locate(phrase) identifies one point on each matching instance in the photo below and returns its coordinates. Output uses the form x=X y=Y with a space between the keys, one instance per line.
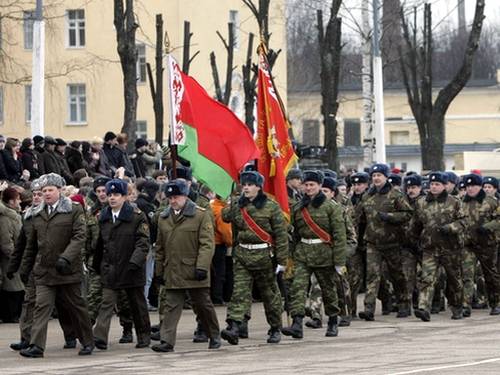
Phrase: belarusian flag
x=207 y=133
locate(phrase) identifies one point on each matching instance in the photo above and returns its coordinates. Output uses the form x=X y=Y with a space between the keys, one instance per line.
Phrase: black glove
x=63 y=266
x=384 y=216
x=24 y=278
x=133 y=267
x=482 y=231
x=446 y=230
x=200 y=275
x=159 y=280
x=10 y=275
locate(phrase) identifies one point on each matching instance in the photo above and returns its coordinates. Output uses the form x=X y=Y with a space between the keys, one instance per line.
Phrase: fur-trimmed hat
x=181 y=172
x=294 y=173
x=252 y=178
x=413 y=180
x=452 y=177
x=473 y=179
x=176 y=187
x=117 y=186
x=314 y=176
x=438 y=177
x=394 y=179
x=380 y=168
x=36 y=185
x=330 y=183
x=52 y=179
x=493 y=181
x=360 y=178
x=100 y=181
x=329 y=173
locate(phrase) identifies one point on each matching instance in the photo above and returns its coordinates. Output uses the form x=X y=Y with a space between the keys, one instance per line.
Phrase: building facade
x=83 y=85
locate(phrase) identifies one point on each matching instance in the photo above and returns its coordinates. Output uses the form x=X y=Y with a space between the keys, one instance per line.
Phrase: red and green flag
x=207 y=133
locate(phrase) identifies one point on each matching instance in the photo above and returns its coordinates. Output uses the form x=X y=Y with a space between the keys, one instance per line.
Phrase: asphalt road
x=386 y=346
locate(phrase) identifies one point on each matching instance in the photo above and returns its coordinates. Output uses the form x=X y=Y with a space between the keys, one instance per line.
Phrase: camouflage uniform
x=357 y=262
x=432 y=215
x=383 y=212
x=256 y=265
x=482 y=213
x=318 y=259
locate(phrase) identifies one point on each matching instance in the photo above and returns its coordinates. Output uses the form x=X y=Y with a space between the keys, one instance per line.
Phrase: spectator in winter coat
x=74 y=156
x=12 y=162
x=29 y=158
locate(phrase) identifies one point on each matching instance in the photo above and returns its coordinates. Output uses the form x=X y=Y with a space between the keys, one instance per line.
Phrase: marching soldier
x=261 y=230
x=436 y=224
x=120 y=258
x=54 y=253
x=183 y=254
x=320 y=250
x=383 y=210
x=482 y=213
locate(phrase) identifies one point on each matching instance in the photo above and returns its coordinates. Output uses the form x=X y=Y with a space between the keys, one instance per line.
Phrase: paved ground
x=386 y=346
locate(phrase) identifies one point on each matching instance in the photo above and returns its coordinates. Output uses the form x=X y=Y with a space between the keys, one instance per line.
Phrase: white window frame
x=28 y=97
x=28 y=26
x=81 y=105
x=76 y=25
x=141 y=133
x=234 y=18
x=141 y=63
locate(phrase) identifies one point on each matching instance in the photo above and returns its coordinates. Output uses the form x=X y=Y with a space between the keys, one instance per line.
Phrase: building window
x=27 y=103
x=400 y=137
x=404 y=166
x=310 y=132
x=77 y=104
x=234 y=18
x=1 y=105
x=142 y=130
x=76 y=28
x=352 y=132
x=28 y=20
x=392 y=165
x=141 y=63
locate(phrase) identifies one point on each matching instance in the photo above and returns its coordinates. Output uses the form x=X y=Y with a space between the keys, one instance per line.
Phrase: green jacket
x=328 y=215
x=268 y=215
x=184 y=243
x=481 y=210
x=383 y=234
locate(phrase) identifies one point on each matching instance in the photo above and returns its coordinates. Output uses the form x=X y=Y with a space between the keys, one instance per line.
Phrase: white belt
x=311 y=241
x=254 y=246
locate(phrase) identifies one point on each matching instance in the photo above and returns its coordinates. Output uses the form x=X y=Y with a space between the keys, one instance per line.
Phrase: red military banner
x=276 y=151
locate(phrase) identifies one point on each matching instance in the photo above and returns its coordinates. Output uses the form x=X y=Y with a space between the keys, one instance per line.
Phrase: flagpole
x=173 y=147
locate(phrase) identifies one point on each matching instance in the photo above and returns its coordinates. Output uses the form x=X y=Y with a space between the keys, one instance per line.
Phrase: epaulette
x=201 y=208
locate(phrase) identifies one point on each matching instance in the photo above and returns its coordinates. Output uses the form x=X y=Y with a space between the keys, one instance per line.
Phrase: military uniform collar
x=383 y=190
x=126 y=213
x=480 y=197
x=315 y=202
x=259 y=201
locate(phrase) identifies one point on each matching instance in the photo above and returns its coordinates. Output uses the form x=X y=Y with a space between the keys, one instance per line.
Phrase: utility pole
x=38 y=73
x=367 y=84
x=378 y=87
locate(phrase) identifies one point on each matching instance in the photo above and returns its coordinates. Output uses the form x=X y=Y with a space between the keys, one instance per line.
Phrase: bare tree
x=330 y=51
x=416 y=66
x=187 y=59
x=229 y=46
x=125 y=25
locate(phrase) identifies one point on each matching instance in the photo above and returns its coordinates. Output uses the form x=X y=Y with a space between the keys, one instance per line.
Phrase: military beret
x=176 y=187
x=380 y=168
x=394 y=179
x=329 y=173
x=294 y=173
x=491 y=180
x=181 y=172
x=252 y=178
x=330 y=183
x=473 y=179
x=36 y=185
x=438 y=177
x=50 y=140
x=314 y=176
x=452 y=177
x=100 y=181
x=413 y=180
x=116 y=186
x=360 y=178
x=51 y=179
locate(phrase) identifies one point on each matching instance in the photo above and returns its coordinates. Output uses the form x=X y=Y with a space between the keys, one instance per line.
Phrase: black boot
x=199 y=334
x=23 y=344
x=100 y=344
x=214 y=342
x=456 y=313
x=295 y=330
x=314 y=323
x=231 y=333
x=155 y=328
x=403 y=312
x=495 y=310
x=127 y=336
x=69 y=344
x=274 y=336
x=467 y=312
x=155 y=336
x=367 y=315
x=163 y=347
x=32 y=352
x=243 y=334
x=332 y=330
x=423 y=314
x=86 y=350
x=143 y=340
x=345 y=321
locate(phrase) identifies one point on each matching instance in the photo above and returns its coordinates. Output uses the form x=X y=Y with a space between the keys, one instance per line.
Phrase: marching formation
x=131 y=241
